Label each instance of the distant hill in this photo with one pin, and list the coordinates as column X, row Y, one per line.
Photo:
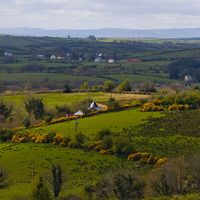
column 107, row 32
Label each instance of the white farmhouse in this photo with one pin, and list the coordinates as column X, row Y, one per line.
column 8, row 54
column 188, row 78
column 111, row 60
column 98, row 59
column 53, row 57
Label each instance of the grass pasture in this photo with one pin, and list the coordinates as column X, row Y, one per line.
column 52, row 99
column 115, row 121
column 80, row 168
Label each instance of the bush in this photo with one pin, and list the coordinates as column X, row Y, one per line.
column 122, row 184
column 113, row 104
column 67, row 89
column 6, row 135
column 122, row 146
column 179, row 176
column 108, row 86
column 63, row 109
column 58, row 139
column 79, row 140
column 27, row 123
column 148, row 88
column 124, row 86
column 103, row 133
column 107, row 142
column 150, row 107
column 50, row 136
column 178, row 107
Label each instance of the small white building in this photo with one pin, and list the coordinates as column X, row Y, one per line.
column 188, row 78
column 53, row 57
column 8, row 54
column 94, row 106
column 79, row 113
column 98, row 59
column 60, row 58
column 111, row 60
column 40, row 56
column 100, row 55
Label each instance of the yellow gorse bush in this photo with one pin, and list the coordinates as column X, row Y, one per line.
column 150, row 107
column 178, row 107
column 147, row 158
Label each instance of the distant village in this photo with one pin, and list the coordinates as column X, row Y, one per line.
column 99, row 58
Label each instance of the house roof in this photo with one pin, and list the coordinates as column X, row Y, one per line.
column 79, row 113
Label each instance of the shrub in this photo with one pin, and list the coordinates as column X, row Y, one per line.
column 150, row 107
column 122, row 146
column 148, row 88
column 67, row 89
column 63, row 109
column 50, row 136
column 179, row 176
column 40, row 191
column 6, row 135
column 107, row 142
column 3, row 179
column 41, row 139
column 124, row 86
column 58, row 138
column 48, row 118
column 113, row 104
column 108, row 86
column 27, row 123
column 122, row 185
column 103, row 133
column 178, row 107
column 79, row 140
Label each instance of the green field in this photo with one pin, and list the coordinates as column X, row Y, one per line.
column 80, row 168
column 115, row 121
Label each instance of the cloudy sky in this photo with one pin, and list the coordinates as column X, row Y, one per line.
column 88, row 14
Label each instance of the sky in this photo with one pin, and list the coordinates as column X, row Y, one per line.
column 94, row 14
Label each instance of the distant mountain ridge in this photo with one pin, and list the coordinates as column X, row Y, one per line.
column 106, row 32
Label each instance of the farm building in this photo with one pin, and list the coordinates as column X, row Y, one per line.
column 94, row 106
column 53, row 57
column 98, row 59
column 111, row 60
column 79, row 113
column 134, row 60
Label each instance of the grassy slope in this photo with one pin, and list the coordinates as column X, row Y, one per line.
column 90, row 126
column 53, row 99
column 80, row 168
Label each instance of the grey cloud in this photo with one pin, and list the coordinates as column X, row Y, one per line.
column 100, row 13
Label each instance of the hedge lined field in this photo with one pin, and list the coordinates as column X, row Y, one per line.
column 114, row 121
column 80, row 168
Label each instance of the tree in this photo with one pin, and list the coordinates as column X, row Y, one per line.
column 5, row 110
column 113, row 104
column 84, row 86
column 79, row 139
column 38, row 109
column 27, row 123
column 3, row 179
column 57, row 179
column 123, row 184
column 29, row 105
column 127, row 185
column 107, row 142
column 83, row 105
column 124, row 86
column 108, row 86
column 179, row 176
column 35, row 106
column 40, row 191
column 67, row 89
